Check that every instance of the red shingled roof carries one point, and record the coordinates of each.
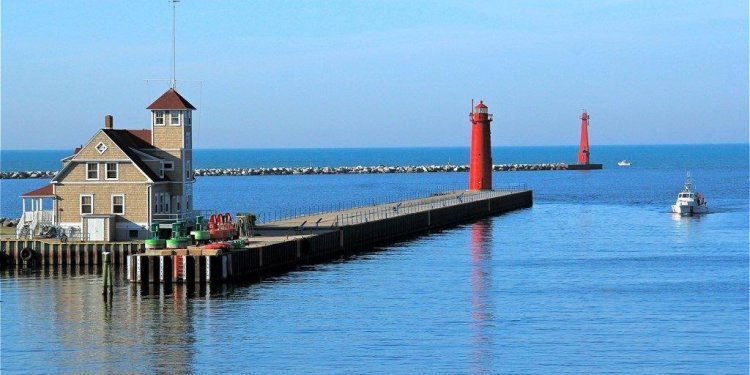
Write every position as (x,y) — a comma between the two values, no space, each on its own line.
(143,134)
(45,191)
(171,100)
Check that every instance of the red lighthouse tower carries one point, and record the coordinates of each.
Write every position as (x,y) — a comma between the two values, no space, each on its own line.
(480,160)
(583,149)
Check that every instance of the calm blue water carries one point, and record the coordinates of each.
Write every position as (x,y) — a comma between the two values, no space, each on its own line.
(597,277)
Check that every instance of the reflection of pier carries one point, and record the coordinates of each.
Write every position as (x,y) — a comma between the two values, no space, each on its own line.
(109,337)
(481,302)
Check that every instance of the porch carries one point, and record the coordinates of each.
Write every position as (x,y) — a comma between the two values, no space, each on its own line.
(38,217)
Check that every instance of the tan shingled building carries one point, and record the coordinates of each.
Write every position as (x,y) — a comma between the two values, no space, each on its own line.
(121,181)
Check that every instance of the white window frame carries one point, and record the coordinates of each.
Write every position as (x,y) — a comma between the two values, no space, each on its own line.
(172,117)
(117,171)
(159,115)
(80,203)
(123,204)
(101,148)
(87,172)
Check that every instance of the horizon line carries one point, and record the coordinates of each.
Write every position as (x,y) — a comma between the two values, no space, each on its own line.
(415,147)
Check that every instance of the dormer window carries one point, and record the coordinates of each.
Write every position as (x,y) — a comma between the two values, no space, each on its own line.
(158,117)
(174,118)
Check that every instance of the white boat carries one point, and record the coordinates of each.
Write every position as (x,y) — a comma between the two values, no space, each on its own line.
(623,163)
(688,202)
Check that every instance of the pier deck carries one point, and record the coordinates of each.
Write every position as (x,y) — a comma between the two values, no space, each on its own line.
(281,244)
(287,243)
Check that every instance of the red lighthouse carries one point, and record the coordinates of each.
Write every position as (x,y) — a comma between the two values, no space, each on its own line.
(583,149)
(480,160)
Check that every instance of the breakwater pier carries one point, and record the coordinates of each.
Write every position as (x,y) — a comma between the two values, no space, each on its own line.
(377,169)
(308,239)
(280,244)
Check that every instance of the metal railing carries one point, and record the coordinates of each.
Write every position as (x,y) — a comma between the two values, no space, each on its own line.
(173,217)
(364,210)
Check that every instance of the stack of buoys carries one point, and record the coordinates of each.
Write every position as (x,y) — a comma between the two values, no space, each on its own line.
(154,242)
(178,240)
(220,227)
(200,234)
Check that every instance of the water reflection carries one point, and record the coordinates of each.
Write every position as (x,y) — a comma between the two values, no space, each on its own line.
(481,301)
(137,329)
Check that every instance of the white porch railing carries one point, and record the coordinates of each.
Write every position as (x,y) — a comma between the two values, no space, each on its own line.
(31,221)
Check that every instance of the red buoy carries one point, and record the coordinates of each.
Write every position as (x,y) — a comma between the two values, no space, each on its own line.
(480,158)
(583,149)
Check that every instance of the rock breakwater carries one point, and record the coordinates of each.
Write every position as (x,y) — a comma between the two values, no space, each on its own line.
(327,170)
(371,169)
(27,174)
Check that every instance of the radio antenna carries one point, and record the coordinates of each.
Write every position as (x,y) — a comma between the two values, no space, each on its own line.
(174,42)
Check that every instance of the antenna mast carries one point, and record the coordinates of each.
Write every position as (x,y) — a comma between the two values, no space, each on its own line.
(174,6)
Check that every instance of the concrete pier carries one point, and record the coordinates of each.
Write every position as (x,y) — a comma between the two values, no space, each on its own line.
(287,243)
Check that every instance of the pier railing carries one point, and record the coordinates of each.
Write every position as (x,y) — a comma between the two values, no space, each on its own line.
(383,207)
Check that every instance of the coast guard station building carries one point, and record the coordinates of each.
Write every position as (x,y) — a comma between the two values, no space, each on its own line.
(121,181)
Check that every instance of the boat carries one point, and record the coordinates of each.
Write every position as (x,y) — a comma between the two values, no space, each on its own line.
(688,202)
(623,163)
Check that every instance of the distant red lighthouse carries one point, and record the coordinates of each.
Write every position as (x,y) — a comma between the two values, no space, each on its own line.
(583,149)
(480,161)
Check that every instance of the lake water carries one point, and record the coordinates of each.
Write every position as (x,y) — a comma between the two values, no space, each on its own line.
(597,277)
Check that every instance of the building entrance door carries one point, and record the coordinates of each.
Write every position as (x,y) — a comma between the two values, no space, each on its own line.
(95,229)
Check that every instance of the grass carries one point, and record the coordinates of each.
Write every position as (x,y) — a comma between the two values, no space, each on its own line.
(7,231)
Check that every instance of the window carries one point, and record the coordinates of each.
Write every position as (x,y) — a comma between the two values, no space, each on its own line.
(188,170)
(177,203)
(160,203)
(101,147)
(168,166)
(187,203)
(188,140)
(158,117)
(92,171)
(118,204)
(112,169)
(188,118)
(175,118)
(166,203)
(87,204)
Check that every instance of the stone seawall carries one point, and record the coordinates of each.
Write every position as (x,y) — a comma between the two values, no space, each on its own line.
(327,170)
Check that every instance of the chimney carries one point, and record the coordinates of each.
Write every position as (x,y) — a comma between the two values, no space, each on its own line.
(108,122)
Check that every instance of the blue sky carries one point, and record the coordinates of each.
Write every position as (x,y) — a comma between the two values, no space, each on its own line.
(380,73)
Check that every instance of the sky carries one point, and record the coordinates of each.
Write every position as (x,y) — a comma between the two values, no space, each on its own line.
(385,73)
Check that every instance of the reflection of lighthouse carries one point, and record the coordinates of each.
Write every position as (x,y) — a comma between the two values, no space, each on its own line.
(480,160)
(481,302)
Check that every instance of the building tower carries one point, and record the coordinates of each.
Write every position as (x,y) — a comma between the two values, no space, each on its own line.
(171,133)
(480,158)
(583,149)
